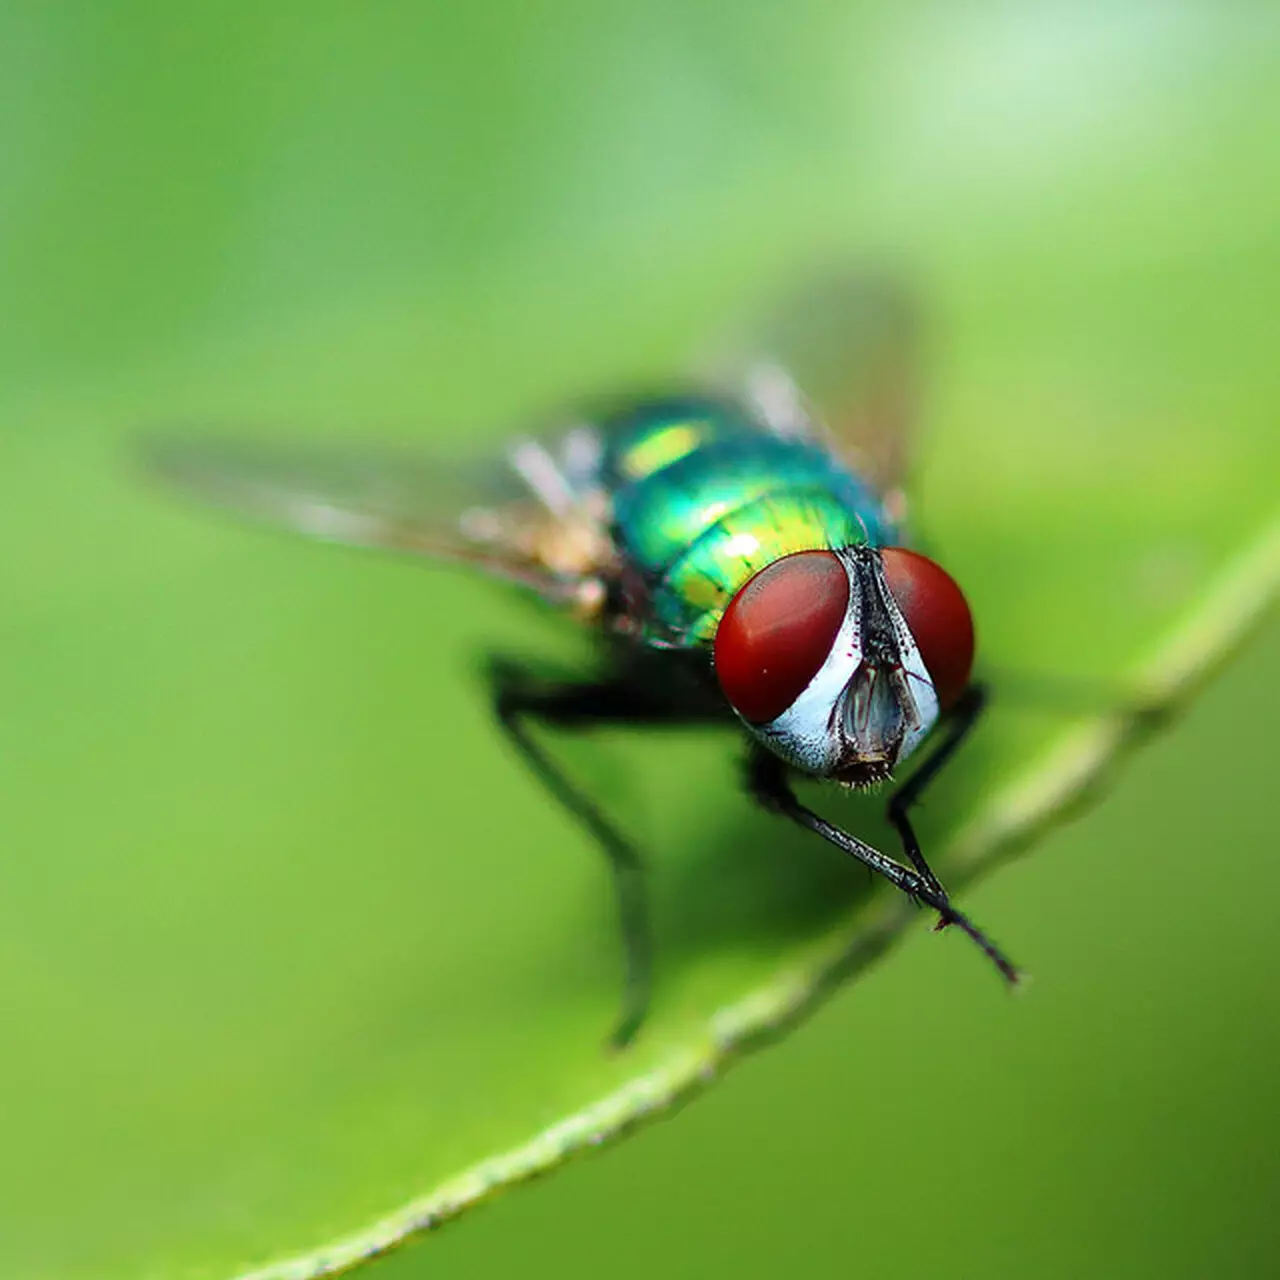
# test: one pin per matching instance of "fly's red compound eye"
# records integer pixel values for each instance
(777, 632)
(935, 609)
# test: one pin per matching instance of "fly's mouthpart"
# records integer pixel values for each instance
(864, 774)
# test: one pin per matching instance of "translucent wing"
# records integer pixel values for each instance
(839, 354)
(837, 359)
(520, 518)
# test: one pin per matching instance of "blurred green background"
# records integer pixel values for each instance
(271, 961)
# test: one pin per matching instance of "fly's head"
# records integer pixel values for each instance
(841, 661)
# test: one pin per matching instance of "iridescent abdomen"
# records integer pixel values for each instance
(704, 498)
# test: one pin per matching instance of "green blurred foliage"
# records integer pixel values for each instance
(270, 959)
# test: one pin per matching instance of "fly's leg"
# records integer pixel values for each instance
(960, 720)
(770, 785)
(519, 698)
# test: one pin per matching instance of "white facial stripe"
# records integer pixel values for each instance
(918, 681)
(805, 733)
(816, 732)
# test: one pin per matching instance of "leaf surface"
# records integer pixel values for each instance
(296, 961)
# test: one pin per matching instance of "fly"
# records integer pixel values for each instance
(740, 555)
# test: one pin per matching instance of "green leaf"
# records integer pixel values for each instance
(296, 960)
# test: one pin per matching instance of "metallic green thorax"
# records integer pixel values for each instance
(704, 497)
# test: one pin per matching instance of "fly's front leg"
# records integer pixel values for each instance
(770, 785)
(520, 698)
(960, 720)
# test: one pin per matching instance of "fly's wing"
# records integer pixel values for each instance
(517, 518)
(839, 357)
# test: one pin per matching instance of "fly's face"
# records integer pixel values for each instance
(840, 661)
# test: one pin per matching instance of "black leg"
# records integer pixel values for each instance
(960, 720)
(520, 696)
(768, 782)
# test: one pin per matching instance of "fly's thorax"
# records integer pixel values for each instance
(868, 699)
(662, 515)
(648, 437)
(694, 592)
(697, 530)
(703, 497)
